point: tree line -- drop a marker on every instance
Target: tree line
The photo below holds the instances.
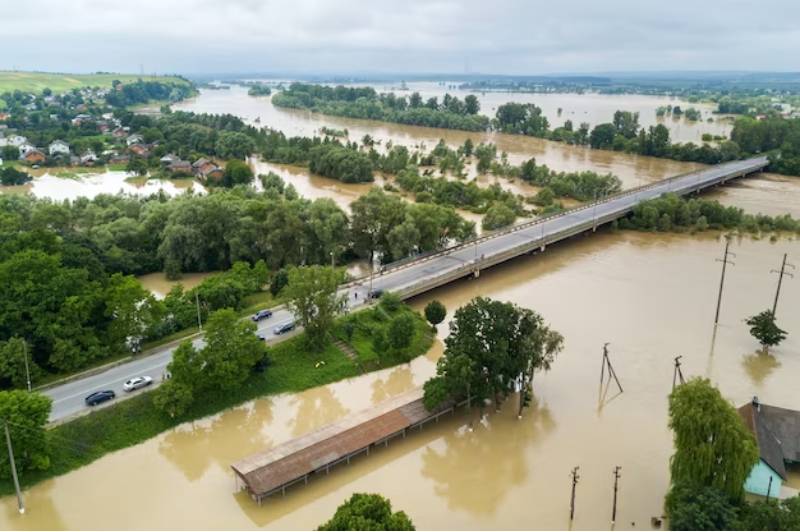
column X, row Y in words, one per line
column 623, row 133
column 365, row 102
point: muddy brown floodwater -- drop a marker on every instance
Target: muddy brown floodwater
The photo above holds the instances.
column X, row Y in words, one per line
column 633, row 170
column 651, row 296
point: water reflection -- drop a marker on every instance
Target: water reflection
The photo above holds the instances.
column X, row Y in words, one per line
column 195, row 446
column 400, row 380
column 37, row 503
column 315, row 408
column 476, row 469
column 759, row 365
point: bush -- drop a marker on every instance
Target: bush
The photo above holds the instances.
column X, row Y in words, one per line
column 435, row 312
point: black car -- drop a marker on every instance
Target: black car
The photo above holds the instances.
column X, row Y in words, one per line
column 261, row 315
column 284, row 328
column 375, row 294
column 100, row 397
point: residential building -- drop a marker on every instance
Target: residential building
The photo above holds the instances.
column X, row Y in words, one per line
column 139, row 149
column 58, row 147
column 777, row 434
column 133, row 139
column 33, row 156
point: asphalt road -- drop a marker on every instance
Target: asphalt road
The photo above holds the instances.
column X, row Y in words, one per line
column 68, row 398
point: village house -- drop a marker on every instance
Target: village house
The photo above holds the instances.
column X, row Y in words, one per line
column 207, row 170
column 14, row 140
column 179, row 166
column 168, row 159
column 81, row 118
column 777, row 434
column 88, row 158
column 139, row 149
column 133, row 139
column 33, row 156
column 58, row 147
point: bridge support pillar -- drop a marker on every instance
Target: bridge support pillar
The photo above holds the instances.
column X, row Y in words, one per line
column 594, row 228
column 476, row 273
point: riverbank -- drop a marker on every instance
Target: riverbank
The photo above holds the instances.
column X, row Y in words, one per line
column 293, row 368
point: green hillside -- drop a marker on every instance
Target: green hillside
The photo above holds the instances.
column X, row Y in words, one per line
column 59, row 82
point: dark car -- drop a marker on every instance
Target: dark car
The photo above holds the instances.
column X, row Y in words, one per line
column 283, row 328
column 100, row 397
column 261, row 315
column 375, row 294
column 261, row 337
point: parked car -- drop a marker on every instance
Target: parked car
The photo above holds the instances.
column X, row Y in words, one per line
column 375, row 294
column 99, row 397
column 136, row 383
column 261, row 337
column 283, row 328
column 261, row 315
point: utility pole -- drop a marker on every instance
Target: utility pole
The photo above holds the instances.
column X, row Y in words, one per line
column 724, row 260
column 611, row 372
column 20, row 504
column 769, row 487
column 616, row 487
column 780, row 273
column 677, row 374
column 27, row 367
column 333, row 258
column 197, row 302
column 575, row 478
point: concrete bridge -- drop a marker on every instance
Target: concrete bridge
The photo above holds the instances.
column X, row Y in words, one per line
column 415, row 276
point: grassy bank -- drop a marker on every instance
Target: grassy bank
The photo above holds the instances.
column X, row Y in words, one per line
column 60, row 82
column 293, row 368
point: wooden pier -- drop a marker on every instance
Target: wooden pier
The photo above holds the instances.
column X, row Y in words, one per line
column 266, row 473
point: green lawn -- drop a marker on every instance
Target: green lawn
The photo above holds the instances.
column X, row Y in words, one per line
column 293, row 368
column 61, row 82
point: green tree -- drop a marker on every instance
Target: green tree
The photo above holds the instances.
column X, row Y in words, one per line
column 712, row 445
column 234, row 144
column 312, row 297
column 602, row 136
column 136, row 165
column 367, row 511
column 231, row 352
column 471, row 104
column 497, row 216
column 26, row 415
column 173, row 398
column 237, row 173
column 764, row 329
column 278, row 281
column 401, row 331
column 492, row 347
column 435, row 312
column 700, row 508
column 16, row 363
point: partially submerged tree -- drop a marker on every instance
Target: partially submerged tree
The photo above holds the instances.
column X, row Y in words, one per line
column 493, row 350
column 765, row 330
column 435, row 312
column 367, row 511
column 712, row 445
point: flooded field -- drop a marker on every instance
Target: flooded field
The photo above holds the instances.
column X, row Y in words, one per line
column 651, row 296
column 158, row 284
column 90, row 185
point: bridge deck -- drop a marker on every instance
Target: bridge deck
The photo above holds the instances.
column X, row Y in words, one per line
column 413, row 277
column 274, row 470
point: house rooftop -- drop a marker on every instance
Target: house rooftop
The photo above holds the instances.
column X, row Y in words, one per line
column 777, row 433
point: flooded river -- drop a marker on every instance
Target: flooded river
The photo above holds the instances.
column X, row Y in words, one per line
column 651, row 296
column 632, row 169
column 591, row 108
column 90, row 185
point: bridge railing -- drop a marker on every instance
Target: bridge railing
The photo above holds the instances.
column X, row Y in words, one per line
column 425, row 257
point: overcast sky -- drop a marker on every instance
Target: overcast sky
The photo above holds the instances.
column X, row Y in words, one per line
column 402, row 36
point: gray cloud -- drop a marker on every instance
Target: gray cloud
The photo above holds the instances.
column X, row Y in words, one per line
column 502, row 36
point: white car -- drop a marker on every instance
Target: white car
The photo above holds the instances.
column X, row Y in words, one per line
column 136, row 383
